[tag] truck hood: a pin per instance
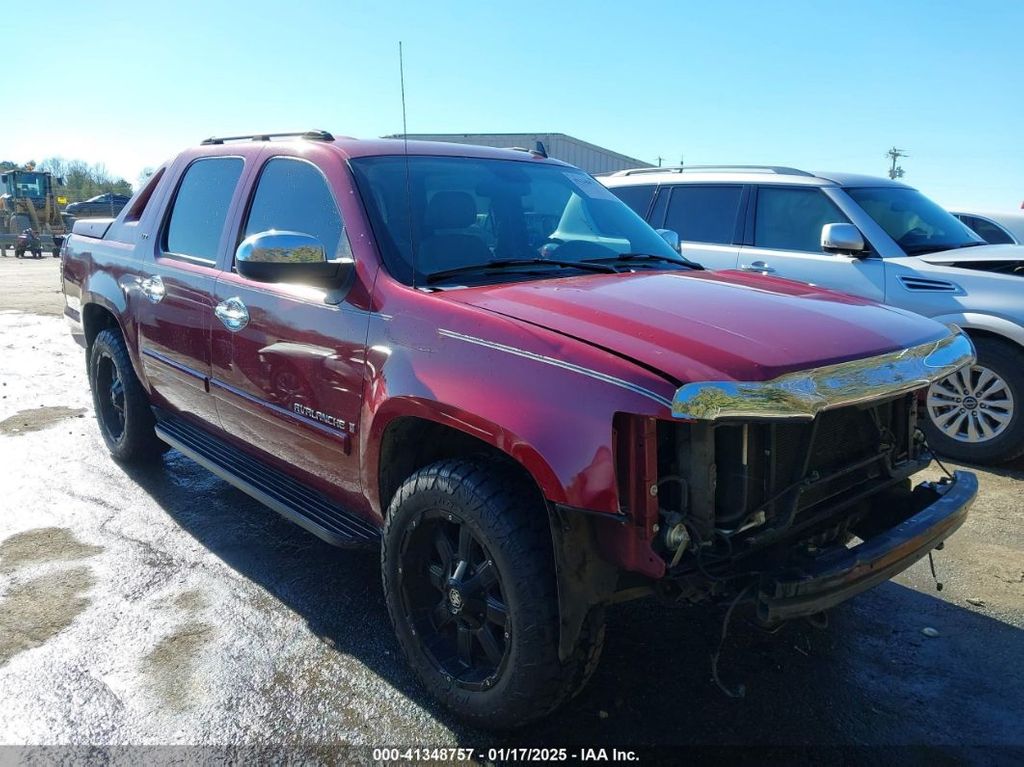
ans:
(701, 326)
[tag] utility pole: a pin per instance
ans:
(660, 159)
(895, 171)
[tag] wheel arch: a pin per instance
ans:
(585, 579)
(978, 325)
(98, 316)
(433, 434)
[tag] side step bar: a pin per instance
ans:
(267, 485)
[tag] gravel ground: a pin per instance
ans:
(165, 607)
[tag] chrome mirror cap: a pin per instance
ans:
(842, 238)
(280, 247)
(290, 257)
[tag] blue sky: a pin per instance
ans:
(811, 84)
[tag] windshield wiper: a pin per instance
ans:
(646, 257)
(506, 263)
(971, 245)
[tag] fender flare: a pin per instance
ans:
(492, 434)
(104, 291)
(585, 580)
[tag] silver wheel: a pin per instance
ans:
(973, 405)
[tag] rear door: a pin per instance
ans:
(288, 379)
(707, 219)
(176, 307)
(784, 240)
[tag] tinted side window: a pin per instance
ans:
(201, 207)
(637, 197)
(704, 213)
(789, 218)
(988, 231)
(293, 195)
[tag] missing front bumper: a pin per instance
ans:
(840, 574)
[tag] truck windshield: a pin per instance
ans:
(917, 224)
(444, 215)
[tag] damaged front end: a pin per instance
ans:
(800, 485)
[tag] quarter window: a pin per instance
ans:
(201, 208)
(790, 218)
(292, 195)
(704, 213)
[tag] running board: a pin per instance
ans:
(271, 487)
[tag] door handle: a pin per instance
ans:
(153, 288)
(757, 266)
(232, 313)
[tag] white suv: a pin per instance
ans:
(871, 237)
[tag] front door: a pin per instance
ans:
(288, 360)
(176, 304)
(787, 243)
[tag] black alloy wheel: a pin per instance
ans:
(468, 569)
(452, 594)
(121, 403)
(109, 396)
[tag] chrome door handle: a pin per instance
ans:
(757, 266)
(153, 288)
(232, 312)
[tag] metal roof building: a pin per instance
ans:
(582, 154)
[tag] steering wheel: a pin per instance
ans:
(915, 235)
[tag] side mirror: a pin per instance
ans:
(275, 256)
(842, 238)
(671, 237)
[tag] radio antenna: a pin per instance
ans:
(401, 78)
(408, 174)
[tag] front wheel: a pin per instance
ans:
(469, 580)
(122, 407)
(975, 414)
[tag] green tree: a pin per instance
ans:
(82, 180)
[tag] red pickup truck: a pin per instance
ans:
(484, 363)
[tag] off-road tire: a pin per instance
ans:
(508, 516)
(1006, 360)
(136, 442)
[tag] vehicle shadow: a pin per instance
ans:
(1011, 469)
(871, 677)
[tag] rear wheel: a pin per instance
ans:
(469, 579)
(122, 407)
(975, 415)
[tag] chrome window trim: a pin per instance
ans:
(802, 395)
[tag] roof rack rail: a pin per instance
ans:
(309, 135)
(779, 169)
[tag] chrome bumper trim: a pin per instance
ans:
(805, 393)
